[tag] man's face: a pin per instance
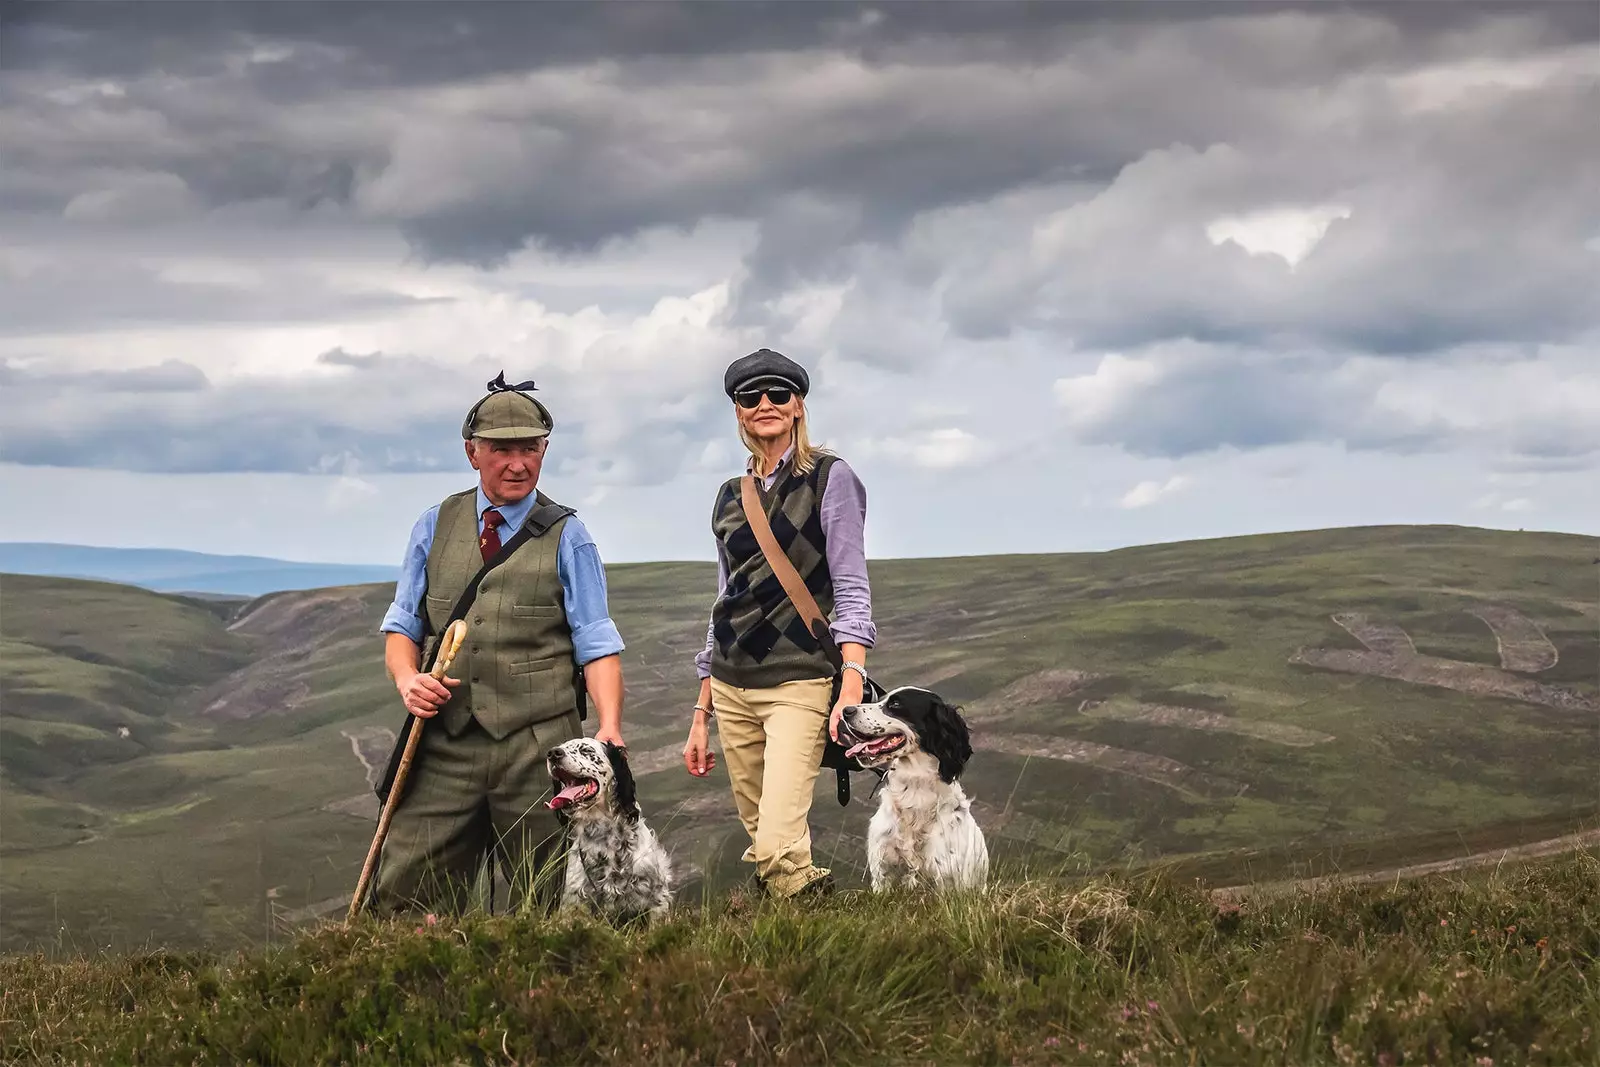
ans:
(509, 470)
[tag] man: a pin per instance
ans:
(538, 636)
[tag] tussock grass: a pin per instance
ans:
(1496, 968)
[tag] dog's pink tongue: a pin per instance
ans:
(569, 795)
(853, 750)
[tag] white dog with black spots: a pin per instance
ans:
(615, 865)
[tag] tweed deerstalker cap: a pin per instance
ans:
(507, 413)
(762, 366)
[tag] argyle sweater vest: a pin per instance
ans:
(516, 665)
(759, 638)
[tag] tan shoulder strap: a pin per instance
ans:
(799, 595)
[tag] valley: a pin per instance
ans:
(180, 771)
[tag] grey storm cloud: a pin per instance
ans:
(1202, 398)
(386, 44)
(1464, 245)
(168, 376)
(705, 110)
(967, 176)
(171, 418)
(87, 293)
(1194, 398)
(338, 357)
(373, 413)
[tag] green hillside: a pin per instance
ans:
(1247, 708)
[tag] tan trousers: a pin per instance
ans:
(772, 742)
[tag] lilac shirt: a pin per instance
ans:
(844, 521)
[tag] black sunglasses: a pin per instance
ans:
(750, 398)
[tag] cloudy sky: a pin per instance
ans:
(1067, 276)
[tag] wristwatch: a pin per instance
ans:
(852, 665)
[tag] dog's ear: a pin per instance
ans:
(946, 739)
(622, 781)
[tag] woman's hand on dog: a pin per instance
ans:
(698, 759)
(850, 691)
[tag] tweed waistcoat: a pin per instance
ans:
(759, 638)
(516, 665)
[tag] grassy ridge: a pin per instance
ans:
(238, 800)
(1499, 968)
(93, 673)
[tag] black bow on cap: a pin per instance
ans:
(498, 385)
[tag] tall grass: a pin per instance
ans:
(1493, 968)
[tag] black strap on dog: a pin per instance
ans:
(545, 515)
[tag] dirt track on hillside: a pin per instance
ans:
(1390, 654)
(1470, 678)
(1195, 719)
(1047, 687)
(1553, 846)
(1152, 768)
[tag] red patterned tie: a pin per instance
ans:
(489, 540)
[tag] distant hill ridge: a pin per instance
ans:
(175, 571)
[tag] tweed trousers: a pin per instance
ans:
(466, 793)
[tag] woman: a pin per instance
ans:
(763, 676)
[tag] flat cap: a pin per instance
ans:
(765, 365)
(507, 413)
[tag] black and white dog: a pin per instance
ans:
(923, 832)
(615, 865)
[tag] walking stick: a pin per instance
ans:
(448, 647)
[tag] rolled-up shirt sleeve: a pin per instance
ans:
(844, 524)
(404, 615)
(583, 585)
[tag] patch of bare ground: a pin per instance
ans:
(654, 760)
(1195, 719)
(1523, 644)
(1384, 658)
(1241, 694)
(1158, 769)
(372, 746)
(1551, 847)
(289, 628)
(716, 801)
(1051, 686)
(1470, 678)
(1378, 636)
(265, 687)
(298, 619)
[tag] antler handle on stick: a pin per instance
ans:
(448, 647)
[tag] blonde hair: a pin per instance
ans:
(805, 453)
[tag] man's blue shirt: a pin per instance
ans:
(583, 580)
